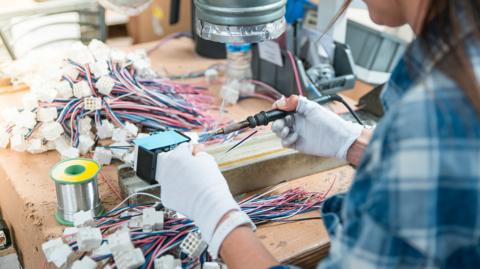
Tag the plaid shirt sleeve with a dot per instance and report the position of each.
(415, 201)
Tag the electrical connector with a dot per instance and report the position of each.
(120, 241)
(131, 128)
(69, 153)
(99, 68)
(51, 130)
(46, 114)
(10, 115)
(85, 125)
(29, 101)
(85, 144)
(130, 259)
(48, 94)
(83, 219)
(230, 92)
(70, 232)
(64, 90)
(128, 158)
(118, 149)
(213, 265)
(105, 130)
(211, 75)
(167, 262)
(26, 119)
(247, 89)
(70, 71)
(85, 263)
(102, 250)
(152, 220)
(88, 238)
(135, 222)
(120, 135)
(92, 103)
(18, 143)
(81, 89)
(193, 245)
(105, 85)
(103, 156)
(118, 56)
(35, 146)
(57, 252)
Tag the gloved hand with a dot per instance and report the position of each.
(314, 129)
(193, 185)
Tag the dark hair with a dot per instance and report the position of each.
(450, 19)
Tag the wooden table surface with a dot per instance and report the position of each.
(28, 199)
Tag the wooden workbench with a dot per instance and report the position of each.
(28, 200)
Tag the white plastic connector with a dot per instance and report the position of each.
(230, 92)
(64, 90)
(152, 219)
(167, 262)
(88, 238)
(105, 85)
(193, 245)
(99, 50)
(102, 250)
(118, 56)
(131, 128)
(85, 263)
(135, 222)
(130, 259)
(29, 101)
(120, 135)
(99, 68)
(10, 114)
(128, 158)
(56, 252)
(46, 114)
(120, 241)
(103, 156)
(119, 153)
(212, 265)
(83, 219)
(85, 125)
(18, 143)
(36, 146)
(27, 119)
(69, 232)
(211, 75)
(81, 89)
(69, 153)
(85, 144)
(105, 130)
(70, 71)
(51, 130)
(48, 93)
(247, 89)
(92, 103)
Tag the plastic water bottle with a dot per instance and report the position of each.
(239, 58)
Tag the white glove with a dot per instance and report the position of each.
(193, 185)
(316, 130)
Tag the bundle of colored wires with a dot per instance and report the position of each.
(156, 104)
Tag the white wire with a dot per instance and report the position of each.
(136, 194)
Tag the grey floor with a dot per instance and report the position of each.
(9, 262)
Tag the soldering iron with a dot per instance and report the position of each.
(265, 117)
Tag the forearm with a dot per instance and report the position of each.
(242, 249)
(355, 153)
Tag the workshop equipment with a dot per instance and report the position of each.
(148, 148)
(77, 190)
(233, 21)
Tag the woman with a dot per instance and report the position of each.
(415, 200)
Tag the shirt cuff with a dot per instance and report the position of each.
(331, 213)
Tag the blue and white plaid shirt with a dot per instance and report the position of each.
(415, 200)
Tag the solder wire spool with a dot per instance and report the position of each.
(77, 190)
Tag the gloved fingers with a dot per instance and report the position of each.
(286, 104)
(183, 149)
(278, 125)
(290, 120)
(198, 148)
(290, 140)
(305, 106)
(285, 132)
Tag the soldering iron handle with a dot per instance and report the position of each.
(264, 118)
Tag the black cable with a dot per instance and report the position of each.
(341, 100)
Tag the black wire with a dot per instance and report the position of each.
(341, 100)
